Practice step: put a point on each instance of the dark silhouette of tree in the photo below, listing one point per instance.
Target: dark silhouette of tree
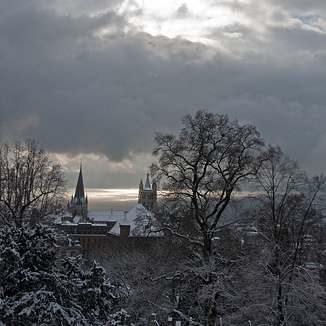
(30, 187)
(202, 168)
(36, 292)
(288, 216)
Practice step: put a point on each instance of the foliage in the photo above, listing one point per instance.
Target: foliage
(36, 292)
(33, 291)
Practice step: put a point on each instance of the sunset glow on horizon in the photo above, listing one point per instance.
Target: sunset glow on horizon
(107, 199)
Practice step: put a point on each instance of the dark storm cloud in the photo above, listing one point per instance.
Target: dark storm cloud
(90, 84)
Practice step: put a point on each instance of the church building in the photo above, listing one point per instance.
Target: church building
(93, 229)
(147, 196)
(79, 203)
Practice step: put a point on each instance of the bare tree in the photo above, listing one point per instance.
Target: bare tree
(202, 168)
(287, 217)
(30, 188)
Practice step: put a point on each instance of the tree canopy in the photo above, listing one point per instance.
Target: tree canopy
(33, 291)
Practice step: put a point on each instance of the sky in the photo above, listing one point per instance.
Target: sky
(94, 80)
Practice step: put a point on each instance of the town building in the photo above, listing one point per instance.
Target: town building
(94, 229)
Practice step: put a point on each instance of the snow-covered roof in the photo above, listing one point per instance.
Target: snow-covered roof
(78, 219)
(68, 223)
(67, 212)
(116, 229)
(57, 220)
(106, 216)
(142, 223)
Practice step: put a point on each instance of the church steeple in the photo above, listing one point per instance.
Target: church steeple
(79, 203)
(141, 185)
(80, 193)
(147, 196)
(147, 184)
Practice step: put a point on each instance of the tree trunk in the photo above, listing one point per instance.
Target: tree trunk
(207, 250)
(280, 312)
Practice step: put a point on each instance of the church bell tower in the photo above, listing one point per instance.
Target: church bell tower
(147, 196)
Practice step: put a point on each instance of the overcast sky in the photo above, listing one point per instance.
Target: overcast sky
(94, 80)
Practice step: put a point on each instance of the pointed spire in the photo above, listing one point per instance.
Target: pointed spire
(154, 185)
(80, 184)
(147, 184)
(141, 185)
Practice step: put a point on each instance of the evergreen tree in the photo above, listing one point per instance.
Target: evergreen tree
(34, 292)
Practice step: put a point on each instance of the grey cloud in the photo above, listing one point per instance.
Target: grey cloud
(182, 11)
(301, 6)
(77, 92)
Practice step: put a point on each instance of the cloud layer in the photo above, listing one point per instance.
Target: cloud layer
(97, 79)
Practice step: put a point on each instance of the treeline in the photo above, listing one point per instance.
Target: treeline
(33, 290)
(265, 266)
